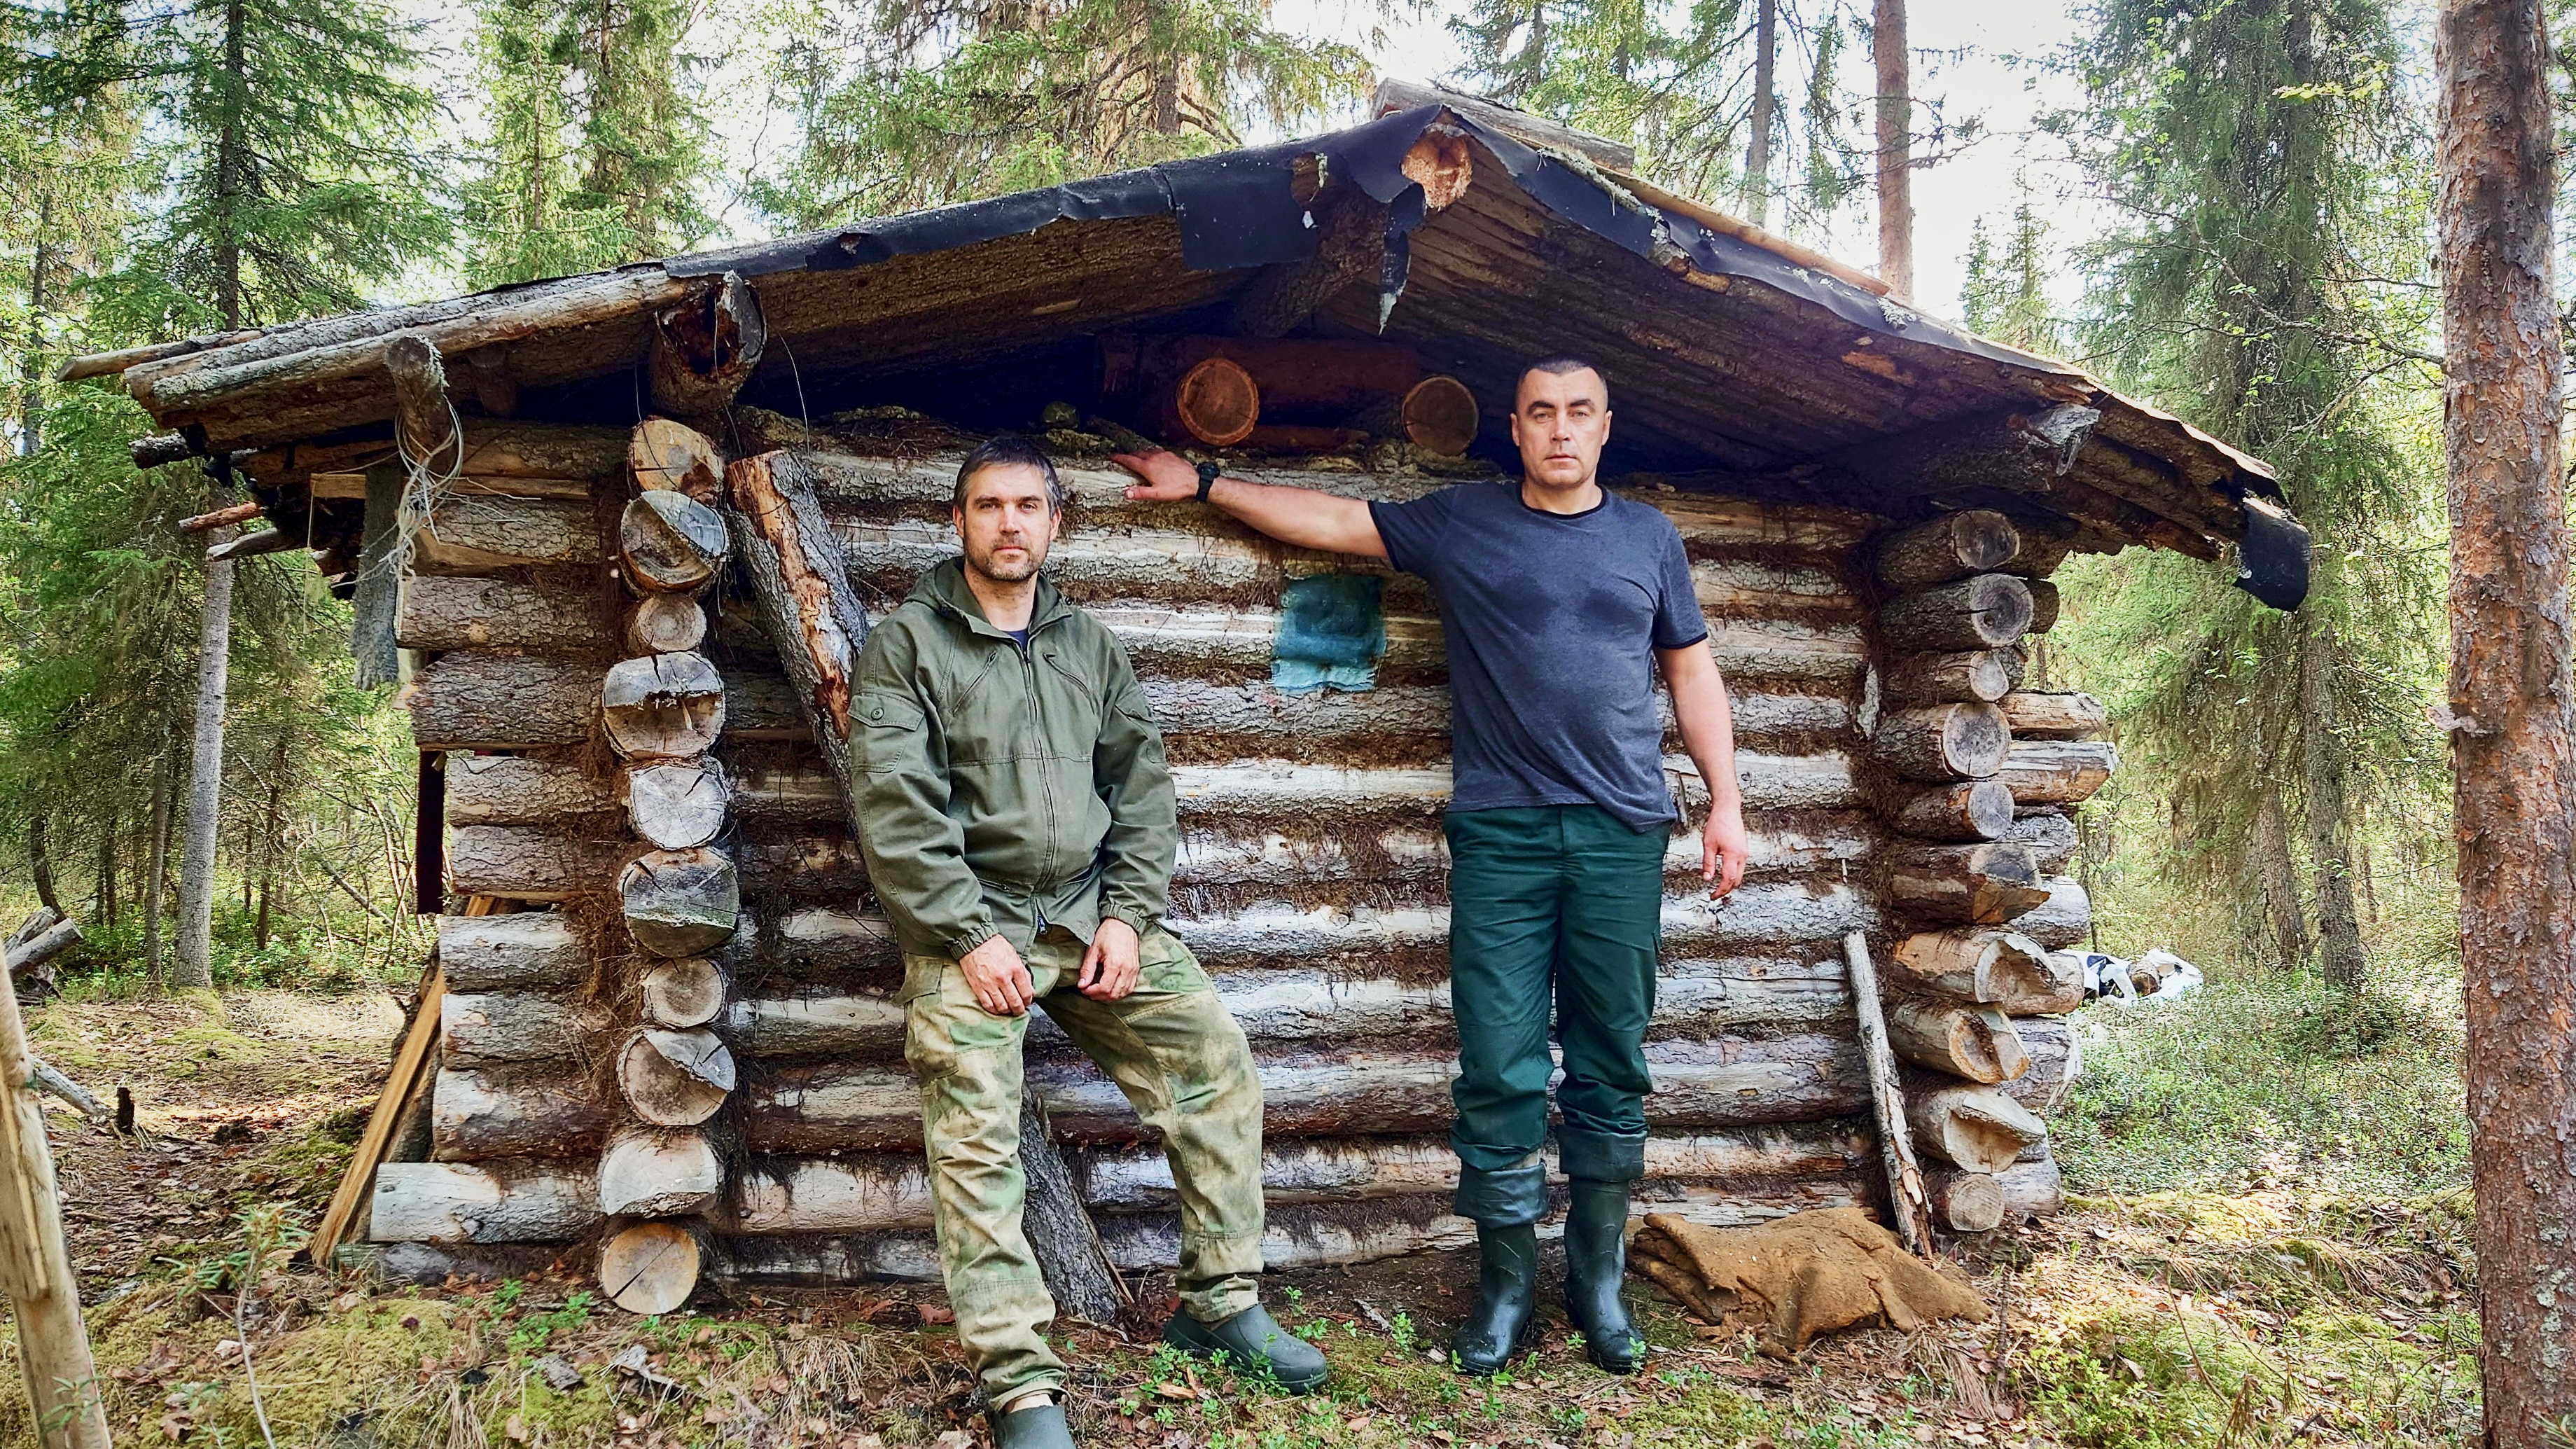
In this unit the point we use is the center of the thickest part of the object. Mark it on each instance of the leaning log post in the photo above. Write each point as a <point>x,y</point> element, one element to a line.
<point>1906,1193</point>
<point>35,1263</point>
<point>814,619</point>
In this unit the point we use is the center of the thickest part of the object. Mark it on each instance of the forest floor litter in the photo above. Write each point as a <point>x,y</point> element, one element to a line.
<point>2276,1313</point>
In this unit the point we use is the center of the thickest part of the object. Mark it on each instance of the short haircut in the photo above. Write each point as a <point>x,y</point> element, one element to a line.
<point>1008,450</point>
<point>1559,366</point>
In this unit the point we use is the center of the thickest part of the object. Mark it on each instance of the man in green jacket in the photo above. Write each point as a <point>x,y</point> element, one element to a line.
<point>1020,835</point>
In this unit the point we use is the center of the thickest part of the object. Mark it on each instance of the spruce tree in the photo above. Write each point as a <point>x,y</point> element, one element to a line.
<point>1024,93</point>
<point>2268,174</point>
<point>281,136</point>
<point>596,152</point>
<point>1739,102</point>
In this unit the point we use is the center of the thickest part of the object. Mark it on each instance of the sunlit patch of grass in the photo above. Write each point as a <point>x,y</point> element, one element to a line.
<point>2269,1081</point>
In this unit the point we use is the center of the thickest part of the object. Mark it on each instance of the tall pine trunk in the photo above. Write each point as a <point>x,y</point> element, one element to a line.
<point>40,861</point>
<point>1895,146</point>
<point>270,843</point>
<point>1757,152</point>
<point>31,378</point>
<point>107,867</point>
<point>195,967</point>
<point>2280,876</point>
<point>2339,945</point>
<point>157,874</point>
<point>2513,700</point>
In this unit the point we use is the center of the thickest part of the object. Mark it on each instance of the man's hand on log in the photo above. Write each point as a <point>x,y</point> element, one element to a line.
<point>1724,849</point>
<point>1167,477</point>
<point>1109,968</point>
<point>999,979</point>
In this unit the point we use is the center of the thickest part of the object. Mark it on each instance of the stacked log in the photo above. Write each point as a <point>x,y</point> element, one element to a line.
<point>1977,770</point>
<point>662,1169</point>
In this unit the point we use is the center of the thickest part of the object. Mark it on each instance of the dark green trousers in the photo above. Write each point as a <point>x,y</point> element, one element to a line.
<point>1556,909</point>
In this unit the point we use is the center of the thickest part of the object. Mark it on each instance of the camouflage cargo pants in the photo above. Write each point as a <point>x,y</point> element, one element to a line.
<point>1178,1055</point>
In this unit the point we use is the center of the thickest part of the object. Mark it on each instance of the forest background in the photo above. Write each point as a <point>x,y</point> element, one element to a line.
<point>2226,208</point>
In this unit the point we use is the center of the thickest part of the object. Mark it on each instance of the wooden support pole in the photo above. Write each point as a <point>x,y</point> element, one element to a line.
<point>1908,1199</point>
<point>35,1262</point>
<point>425,424</point>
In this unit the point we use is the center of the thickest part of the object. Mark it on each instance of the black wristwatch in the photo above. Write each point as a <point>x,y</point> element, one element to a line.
<point>1207,480</point>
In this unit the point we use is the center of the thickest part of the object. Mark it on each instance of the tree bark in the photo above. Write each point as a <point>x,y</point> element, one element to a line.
<point>1912,1207</point>
<point>1895,146</point>
<point>40,860</point>
<point>524,951</point>
<point>2512,700</point>
<point>1757,151</point>
<point>1951,547</point>
<point>1942,885</point>
<point>107,863</point>
<point>1985,612</point>
<point>1965,810</point>
<point>271,839</point>
<point>1978,676</point>
<point>2280,877</point>
<point>156,872</point>
<point>2329,843</point>
<point>1977,1127</point>
<point>195,966</point>
<point>2058,772</point>
<point>1975,1042</point>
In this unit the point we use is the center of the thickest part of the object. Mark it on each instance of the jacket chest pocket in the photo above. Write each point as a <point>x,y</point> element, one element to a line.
<point>1068,701</point>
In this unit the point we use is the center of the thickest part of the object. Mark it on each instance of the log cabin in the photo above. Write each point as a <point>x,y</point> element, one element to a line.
<point>618,537</point>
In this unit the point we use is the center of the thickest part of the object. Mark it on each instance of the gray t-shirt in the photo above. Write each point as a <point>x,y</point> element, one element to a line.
<point>1552,622</point>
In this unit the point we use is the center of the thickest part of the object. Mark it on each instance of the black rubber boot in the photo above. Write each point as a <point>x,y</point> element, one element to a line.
<point>1255,1344</point>
<point>1506,1310</point>
<point>1596,1266</point>
<point>1505,1207</point>
<point>1040,1428</point>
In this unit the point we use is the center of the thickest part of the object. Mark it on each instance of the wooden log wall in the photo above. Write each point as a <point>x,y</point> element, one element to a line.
<point>759,1025</point>
<point>1977,774</point>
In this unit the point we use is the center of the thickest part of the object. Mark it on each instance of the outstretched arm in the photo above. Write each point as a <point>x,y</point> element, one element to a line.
<point>1300,516</point>
<point>1708,733</point>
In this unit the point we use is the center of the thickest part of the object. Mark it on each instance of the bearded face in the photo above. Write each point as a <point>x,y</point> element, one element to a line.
<point>1007,522</point>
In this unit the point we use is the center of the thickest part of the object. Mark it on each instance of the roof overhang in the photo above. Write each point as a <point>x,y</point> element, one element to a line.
<point>1737,361</point>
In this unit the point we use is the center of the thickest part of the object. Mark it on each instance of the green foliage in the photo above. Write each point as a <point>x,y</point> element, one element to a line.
<point>920,102</point>
<point>278,137</point>
<point>2270,181</point>
<point>596,150</point>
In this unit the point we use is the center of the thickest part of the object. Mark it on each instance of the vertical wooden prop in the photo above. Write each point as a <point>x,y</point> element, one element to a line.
<point>35,1265</point>
<point>664,712</point>
<point>814,618</point>
<point>1910,1201</point>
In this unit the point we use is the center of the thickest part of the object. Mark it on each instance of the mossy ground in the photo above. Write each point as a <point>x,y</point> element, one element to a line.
<point>2285,1296</point>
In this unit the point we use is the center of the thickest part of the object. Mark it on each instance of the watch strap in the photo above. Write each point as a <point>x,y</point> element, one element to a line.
<point>1207,480</point>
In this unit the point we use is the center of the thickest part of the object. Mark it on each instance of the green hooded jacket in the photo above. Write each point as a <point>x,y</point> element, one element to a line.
<point>1004,789</point>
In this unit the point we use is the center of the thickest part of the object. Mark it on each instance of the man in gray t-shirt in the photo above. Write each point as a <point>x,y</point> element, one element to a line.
<point>1559,603</point>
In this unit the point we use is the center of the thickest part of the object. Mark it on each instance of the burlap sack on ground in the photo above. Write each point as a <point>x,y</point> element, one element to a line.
<point>1801,1275</point>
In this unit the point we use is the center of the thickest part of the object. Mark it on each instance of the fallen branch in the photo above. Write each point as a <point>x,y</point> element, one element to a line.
<point>45,1078</point>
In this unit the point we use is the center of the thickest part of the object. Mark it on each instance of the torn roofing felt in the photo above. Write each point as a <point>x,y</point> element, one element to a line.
<point>1727,357</point>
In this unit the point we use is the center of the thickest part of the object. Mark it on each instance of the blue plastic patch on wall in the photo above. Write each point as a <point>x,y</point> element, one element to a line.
<point>1332,631</point>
